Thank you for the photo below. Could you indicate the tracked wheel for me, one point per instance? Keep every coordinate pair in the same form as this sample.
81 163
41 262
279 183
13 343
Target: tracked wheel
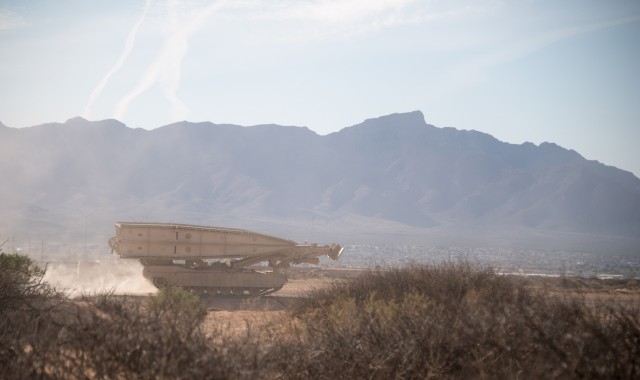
159 282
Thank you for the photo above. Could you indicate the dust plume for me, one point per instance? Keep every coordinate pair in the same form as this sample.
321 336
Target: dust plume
91 277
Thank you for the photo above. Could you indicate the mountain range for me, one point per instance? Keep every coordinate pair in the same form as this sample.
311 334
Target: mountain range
392 178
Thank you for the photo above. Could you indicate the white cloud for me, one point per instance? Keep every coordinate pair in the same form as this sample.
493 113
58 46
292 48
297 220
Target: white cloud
128 46
10 20
297 20
335 11
166 69
326 18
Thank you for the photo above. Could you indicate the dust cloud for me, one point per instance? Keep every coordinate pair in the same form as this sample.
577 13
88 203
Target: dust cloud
91 277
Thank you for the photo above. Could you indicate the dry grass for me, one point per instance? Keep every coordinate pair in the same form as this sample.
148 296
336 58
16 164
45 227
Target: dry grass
457 320
451 320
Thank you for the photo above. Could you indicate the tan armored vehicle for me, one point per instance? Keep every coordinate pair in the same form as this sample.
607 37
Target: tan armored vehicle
211 260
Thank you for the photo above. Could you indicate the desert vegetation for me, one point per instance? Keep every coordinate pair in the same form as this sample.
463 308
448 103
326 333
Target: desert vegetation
447 320
458 320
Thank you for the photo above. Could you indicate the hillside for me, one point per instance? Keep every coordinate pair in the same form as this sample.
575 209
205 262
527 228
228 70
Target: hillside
394 174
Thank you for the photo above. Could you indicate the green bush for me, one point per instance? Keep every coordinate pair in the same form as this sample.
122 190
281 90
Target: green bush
106 300
21 284
99 336
179 304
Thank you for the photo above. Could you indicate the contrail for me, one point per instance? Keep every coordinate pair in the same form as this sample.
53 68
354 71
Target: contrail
123 56
167 67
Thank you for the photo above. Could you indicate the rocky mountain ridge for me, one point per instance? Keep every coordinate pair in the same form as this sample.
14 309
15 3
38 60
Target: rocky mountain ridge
394 174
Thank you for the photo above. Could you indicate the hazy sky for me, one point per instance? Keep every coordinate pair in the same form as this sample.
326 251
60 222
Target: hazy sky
561 71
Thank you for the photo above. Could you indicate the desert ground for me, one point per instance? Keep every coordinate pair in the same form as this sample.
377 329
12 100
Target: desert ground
433 316
232 314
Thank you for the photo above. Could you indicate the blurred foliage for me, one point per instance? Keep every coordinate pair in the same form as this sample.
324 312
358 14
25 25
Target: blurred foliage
449 320
179 303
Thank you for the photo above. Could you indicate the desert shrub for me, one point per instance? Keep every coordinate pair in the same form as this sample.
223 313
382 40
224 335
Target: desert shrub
179 304
456 320
101 336
106 299
447 281
26 304
449 320
87 342
21 284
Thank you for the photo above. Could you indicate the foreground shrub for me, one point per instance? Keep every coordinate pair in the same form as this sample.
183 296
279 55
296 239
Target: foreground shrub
447 282
100 336
180 304
451 320
106 300
82 341
21 284
457 320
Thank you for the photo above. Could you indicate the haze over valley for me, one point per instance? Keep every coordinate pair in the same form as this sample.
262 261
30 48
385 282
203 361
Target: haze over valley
528 141
224 189
389 180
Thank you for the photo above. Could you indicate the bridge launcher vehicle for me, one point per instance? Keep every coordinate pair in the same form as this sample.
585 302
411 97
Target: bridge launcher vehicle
213 260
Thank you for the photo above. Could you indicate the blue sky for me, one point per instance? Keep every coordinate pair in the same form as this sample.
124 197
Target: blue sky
559 71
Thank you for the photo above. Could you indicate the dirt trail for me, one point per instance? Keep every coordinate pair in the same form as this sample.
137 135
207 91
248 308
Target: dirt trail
233 315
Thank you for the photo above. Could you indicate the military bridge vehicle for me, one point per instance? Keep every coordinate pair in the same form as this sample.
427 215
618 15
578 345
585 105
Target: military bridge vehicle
213 260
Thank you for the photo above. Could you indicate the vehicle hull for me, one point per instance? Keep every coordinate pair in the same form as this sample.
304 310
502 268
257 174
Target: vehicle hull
213 260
